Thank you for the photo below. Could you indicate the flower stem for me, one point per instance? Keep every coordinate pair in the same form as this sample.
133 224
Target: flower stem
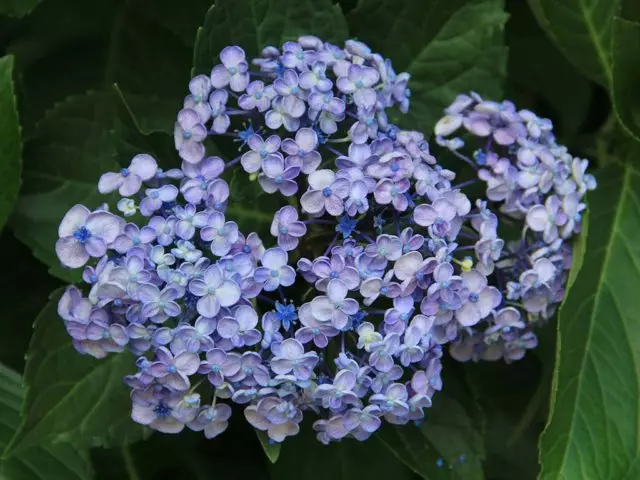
129 463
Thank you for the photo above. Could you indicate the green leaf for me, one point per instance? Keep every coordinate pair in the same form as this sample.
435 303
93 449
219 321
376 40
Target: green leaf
255 24
448 46
446 446
579 250
271 450
70 397
9 141
303 456
47 462
626 75
507 396
532 55
16 258
140 45
593 424
582 30
17 8
71 147
181 21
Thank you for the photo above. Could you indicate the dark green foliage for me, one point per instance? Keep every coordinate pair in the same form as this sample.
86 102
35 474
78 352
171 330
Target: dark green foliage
84 85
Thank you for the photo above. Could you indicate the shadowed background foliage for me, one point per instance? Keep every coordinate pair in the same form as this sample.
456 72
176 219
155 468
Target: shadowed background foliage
86 85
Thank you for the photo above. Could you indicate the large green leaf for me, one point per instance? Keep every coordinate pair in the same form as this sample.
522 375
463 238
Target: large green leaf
255 24
565 95
511 400
582 30
70 397
626 74
448 46
446 446
71 147
9 141
46 462
17 8
305 457
141 45
182 21
17 316
593 429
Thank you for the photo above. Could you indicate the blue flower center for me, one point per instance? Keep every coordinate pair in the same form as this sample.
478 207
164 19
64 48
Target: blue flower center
369 122
300 55
334 275
473 297
155 194
420 276
197 98
445 284
124 172
171 369
105 334
215 368
395 167
284 230
278 179
480 158
248 370
82 234
326 191
246 249
186 134
359 84
384 290
295 90
274 273
232 70
258 95
162 410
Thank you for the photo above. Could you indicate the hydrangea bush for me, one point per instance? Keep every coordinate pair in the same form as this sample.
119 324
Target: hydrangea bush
378 260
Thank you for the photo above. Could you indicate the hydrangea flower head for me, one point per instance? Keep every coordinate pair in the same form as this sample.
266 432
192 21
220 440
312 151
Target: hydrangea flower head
372 263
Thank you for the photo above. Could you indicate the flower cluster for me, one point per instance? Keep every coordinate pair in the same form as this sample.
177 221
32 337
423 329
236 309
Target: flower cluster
398 261
538 187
